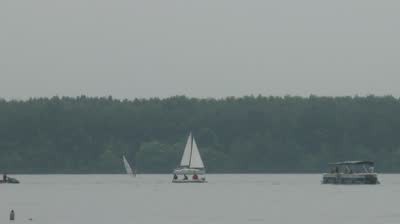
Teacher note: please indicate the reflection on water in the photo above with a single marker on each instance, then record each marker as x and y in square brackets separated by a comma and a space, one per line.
[226, 199]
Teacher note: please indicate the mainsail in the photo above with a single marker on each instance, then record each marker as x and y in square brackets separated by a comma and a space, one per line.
[185, 162]
[127, 166]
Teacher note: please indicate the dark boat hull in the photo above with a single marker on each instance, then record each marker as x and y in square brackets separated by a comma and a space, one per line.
[364, 178]
[9, 181]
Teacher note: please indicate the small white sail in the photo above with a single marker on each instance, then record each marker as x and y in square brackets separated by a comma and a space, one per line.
[195, 161]
[186, 154]
[127, 166]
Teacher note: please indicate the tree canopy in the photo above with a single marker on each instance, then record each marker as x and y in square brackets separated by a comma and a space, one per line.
[246, 134]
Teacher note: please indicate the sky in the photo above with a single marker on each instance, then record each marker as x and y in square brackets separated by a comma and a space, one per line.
[199, 48]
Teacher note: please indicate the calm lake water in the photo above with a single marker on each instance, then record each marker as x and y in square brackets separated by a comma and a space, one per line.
[226, 199]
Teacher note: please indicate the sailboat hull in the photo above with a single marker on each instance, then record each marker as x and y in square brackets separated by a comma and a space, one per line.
[189, 181]
[189, 171]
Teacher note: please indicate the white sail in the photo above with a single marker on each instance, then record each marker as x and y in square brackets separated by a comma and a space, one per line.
[195, 160]
[186, 154]
[127, 166]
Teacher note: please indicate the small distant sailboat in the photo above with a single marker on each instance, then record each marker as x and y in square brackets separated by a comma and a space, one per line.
[128, 167]
[191, 164]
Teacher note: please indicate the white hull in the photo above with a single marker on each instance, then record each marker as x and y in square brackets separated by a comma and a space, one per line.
[189, 171]
[189, 181]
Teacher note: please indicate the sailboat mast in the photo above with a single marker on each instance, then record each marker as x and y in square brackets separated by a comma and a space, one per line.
[191, 149]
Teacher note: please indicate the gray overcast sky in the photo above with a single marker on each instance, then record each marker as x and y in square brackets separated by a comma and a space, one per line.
[200, 48]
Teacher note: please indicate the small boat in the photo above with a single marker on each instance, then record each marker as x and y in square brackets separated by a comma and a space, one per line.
[9, 180]
[351, 172]
[191, 164]
[128, 168]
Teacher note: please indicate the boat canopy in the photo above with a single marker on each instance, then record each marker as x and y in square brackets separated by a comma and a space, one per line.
[370, 163]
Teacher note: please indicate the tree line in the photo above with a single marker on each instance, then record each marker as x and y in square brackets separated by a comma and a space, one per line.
[245, 134]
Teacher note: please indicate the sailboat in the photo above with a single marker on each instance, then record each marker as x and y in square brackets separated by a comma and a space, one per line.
[128, 167]
[191, 164]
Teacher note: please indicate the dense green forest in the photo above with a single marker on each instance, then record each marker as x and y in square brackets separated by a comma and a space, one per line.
[247, 134]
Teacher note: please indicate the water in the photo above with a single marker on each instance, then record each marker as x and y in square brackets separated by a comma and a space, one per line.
[226, 199]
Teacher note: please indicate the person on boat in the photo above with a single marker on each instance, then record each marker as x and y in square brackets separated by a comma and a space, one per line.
[12, 215]
[371, 169]
[195, 177]
[336, 169]
[175, 176]
[4, 177]
[347, 170]
[185, 177]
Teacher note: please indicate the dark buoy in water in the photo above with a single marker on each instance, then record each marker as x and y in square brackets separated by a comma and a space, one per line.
[12, 215]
